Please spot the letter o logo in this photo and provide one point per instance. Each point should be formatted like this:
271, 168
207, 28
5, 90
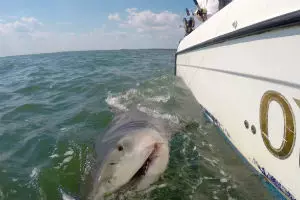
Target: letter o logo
286, 148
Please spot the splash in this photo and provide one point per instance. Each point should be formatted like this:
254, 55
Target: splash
120, 101
54, 156
34, 173
69, 153
157, 114
65, 196
160, 99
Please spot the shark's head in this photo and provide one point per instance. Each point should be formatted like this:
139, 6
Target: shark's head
137, 160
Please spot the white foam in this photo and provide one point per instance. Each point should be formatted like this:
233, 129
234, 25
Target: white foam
204, 133
183, 150
230, 197
163, 99
34, 173
65, 129
54, 156
223, 180
215, 197
208, 178
67, 160
185, 136
1, 194
153, 187
222, 172
211, 161
65, 196
14, 179
87, 168
128, 93
115, 102
33, 182
162, 185
121, 101
156, 114
69, 153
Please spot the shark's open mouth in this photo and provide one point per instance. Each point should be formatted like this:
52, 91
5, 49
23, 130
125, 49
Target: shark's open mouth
147, 164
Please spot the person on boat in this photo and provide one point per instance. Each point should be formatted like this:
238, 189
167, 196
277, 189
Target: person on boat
201, 14
190, 23
207, 8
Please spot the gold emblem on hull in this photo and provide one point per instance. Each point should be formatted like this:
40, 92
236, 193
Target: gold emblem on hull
286, 148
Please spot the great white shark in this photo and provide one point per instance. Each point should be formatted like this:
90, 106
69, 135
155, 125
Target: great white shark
132, 153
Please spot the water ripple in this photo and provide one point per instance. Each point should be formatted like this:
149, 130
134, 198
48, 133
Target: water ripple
53, 106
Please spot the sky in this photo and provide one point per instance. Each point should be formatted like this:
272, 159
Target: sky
40, 26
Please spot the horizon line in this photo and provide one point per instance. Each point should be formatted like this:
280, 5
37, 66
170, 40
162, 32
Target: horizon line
67, 51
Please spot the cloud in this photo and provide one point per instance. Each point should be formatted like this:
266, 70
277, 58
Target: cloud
114, 17
30, 20
162, 27
139, 29
24, 24
149, 21
131, 10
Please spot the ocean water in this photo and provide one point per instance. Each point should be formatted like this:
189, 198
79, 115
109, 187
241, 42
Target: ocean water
53, 106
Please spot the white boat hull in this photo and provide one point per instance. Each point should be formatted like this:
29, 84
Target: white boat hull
250, 80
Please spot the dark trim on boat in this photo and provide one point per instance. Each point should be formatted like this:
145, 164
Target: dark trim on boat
285, 20
175, 67
261, 78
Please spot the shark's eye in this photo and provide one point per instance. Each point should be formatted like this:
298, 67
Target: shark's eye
120, 148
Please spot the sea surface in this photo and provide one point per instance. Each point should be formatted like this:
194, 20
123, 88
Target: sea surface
53, 106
